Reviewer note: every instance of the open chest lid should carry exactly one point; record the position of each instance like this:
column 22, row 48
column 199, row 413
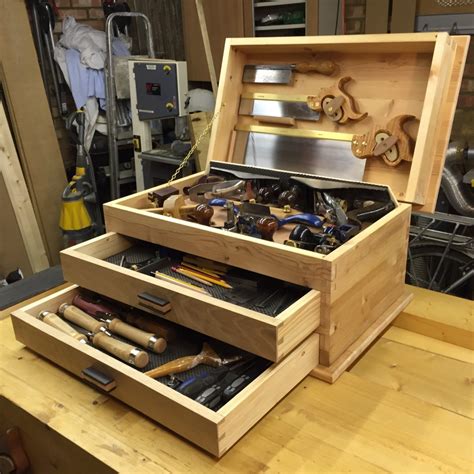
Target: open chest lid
column 402, row 88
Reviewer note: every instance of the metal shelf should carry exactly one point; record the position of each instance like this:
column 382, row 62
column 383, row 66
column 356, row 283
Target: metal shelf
column 281, row 27
column 277, row 3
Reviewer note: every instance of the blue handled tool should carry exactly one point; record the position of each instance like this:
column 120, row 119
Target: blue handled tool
column 305, row 218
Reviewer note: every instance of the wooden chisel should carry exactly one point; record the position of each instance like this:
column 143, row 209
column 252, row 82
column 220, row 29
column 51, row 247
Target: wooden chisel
column 115, row 325
column 53, row 320
column 119, row 349
column 79, row 317
column 147, row 323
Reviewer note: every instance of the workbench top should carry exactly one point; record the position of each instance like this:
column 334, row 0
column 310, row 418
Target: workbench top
column 406, row 405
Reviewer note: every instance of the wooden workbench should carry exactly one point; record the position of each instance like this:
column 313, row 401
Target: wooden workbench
column 406, row 405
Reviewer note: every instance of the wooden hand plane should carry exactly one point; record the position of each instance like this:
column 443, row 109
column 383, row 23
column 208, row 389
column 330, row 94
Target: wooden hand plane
column 391, row 142
column 336, row 103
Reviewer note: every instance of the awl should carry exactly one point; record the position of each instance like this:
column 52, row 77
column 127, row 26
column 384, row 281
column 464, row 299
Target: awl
column 283, row 73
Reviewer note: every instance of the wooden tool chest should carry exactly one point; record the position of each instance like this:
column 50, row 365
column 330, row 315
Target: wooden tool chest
column 350, row 294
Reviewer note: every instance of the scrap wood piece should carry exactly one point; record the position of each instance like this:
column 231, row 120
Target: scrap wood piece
column 18, row 193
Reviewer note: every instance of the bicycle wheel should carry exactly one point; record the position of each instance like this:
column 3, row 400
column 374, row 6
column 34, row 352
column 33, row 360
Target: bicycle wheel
column 422, row 269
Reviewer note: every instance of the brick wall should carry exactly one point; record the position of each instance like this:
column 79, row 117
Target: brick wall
column 84, row 11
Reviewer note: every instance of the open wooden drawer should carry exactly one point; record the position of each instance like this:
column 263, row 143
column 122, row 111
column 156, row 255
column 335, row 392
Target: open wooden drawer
column 269, row 337
column 215, row 431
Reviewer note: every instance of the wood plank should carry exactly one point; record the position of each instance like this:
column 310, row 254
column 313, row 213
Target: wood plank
column 32, row 124
column 439, row 316
column 224, row 20
column 418, row 373
column 10, row 168
column 403, row 16
column 207, row 45
column 429, row 344
column 48, row 450
column 12, row 251
column 336, row 369
column 312, row 17
column 421, row 167
column 445, row 123
column 376, row 16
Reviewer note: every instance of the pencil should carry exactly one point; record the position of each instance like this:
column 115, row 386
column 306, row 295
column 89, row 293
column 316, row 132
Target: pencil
column 192, row 275
column 200, row 269
column 216, row 281
column 162, row 276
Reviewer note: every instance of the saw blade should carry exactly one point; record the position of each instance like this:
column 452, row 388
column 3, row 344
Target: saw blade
column 267, row 74
column 278, row 108
column 330, row 158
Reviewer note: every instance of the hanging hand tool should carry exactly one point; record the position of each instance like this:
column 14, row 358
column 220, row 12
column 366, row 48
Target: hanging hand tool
column 283, row 73
column 123, row 351
column 55, row 321
column 207, row 356
column 391, row 142
column 336, row 103
column 236, row 189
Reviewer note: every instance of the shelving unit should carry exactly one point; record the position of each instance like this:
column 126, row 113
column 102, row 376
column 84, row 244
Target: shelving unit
column 288, row 10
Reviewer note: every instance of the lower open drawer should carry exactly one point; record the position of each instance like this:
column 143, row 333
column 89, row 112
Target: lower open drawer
column 215, row 431
column 91, row 265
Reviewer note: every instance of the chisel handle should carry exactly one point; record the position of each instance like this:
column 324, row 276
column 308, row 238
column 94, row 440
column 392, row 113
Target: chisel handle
column 142, row 338
column 322, row 66
column 79, row 317
column 55, row 321
column 122, row 350
column 94, row 309
column 149, row 324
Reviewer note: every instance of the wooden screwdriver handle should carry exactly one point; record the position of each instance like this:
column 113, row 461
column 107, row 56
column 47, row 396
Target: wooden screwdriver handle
column 322, row 66
column 175, row 366
column 122, row 350
column 140, row 337
column 79, row 317
column 149, row 324
column 55, row 321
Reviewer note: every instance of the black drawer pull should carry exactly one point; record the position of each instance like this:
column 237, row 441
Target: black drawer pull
column 99, row 379
column 155, row 303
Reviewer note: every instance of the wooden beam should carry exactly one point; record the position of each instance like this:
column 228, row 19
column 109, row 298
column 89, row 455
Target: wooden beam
column 15, row 184
column 439, row 316
column 31, row 122
column 403, row 16
column 376, row 16
column 207, row 45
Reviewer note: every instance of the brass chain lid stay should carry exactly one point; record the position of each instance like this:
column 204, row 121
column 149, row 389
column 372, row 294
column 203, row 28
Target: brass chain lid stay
column 185, row 160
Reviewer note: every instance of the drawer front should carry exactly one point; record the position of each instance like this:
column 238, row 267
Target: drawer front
column 217, row 431
column 268, row 337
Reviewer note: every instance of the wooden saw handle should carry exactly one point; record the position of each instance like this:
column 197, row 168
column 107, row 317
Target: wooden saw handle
column 322, row 66
column 145, row 339
column 122, row 350
column 79, row 317
column 53, row 320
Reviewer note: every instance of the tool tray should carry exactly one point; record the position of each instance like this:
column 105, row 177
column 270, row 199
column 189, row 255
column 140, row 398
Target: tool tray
column 214, row 431
column 95, row 265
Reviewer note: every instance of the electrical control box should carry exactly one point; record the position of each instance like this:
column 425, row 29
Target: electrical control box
column 161, row 88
